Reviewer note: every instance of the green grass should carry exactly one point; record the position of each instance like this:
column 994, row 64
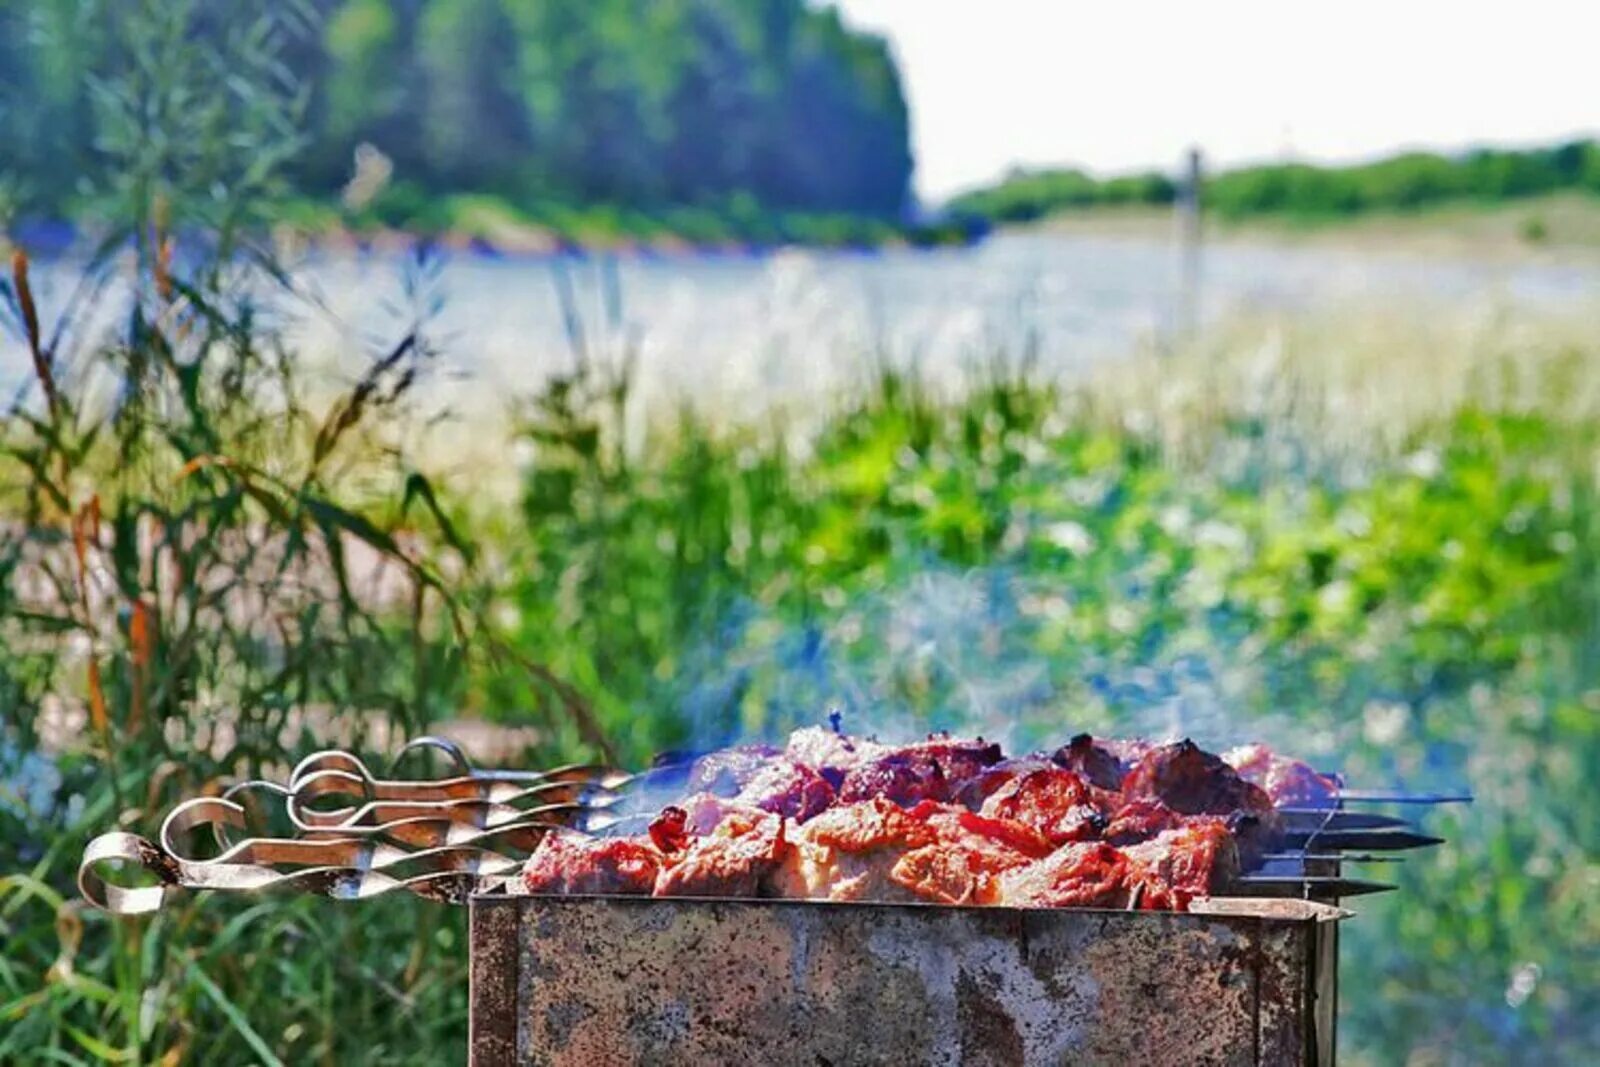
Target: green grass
column 1307, row 192
column 517, row 225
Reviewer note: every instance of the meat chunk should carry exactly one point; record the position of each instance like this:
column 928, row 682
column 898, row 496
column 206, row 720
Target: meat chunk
column 1289, row 783
column 1178, row 866
column 1140, row 820
column 1005, row 843
column 848, row 852
column 830, row 753
column 669, row 831
column 981, row 786
column 787, row 788
column 937, row 769
column 1086, row 875
column 570, row 862
column 732, row 861
column 1191, row 781
column 1053, row 801
column 946, row 875
column 1094, row 762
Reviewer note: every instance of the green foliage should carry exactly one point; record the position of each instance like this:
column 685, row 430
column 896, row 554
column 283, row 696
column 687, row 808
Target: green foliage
column 681, row 102
column 202, row 574
column 1302, row 190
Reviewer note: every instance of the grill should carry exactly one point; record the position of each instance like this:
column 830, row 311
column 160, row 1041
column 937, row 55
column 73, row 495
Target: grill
column 562, row 980
column 1244, row 977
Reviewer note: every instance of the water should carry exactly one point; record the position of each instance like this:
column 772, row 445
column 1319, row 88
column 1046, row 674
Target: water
column 736, row 330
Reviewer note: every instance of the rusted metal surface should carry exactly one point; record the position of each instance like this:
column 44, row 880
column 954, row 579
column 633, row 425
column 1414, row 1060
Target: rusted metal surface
column 644, row 981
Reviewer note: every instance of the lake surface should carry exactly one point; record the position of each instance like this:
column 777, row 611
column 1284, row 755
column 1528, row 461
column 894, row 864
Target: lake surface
column 738, row 329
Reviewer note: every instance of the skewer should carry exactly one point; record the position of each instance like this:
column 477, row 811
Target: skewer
column 1326, row 857
column 1310, row 886
column 1375, row 839
column 1334, row 819
column 1380, row 796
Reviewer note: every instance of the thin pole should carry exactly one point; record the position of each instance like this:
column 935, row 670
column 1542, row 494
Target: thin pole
column 1188, row 226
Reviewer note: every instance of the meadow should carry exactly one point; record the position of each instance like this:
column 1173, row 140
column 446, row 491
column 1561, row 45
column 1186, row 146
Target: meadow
column 1375, row 543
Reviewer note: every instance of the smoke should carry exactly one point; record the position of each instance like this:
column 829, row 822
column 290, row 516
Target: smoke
column 991, row 652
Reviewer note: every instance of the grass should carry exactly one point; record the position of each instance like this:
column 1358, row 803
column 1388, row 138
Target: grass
column 1377, row 544
column 1557, row 224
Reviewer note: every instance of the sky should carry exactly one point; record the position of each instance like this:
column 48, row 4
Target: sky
column 1120, row 86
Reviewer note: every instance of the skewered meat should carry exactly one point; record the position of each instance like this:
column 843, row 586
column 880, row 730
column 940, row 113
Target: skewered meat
column 1191, row 781
column 732, row 861
column 1182, row 865
column 830, row 753
column 1055, row 802
column 788, row 788
column 1093, row 762
column 981, row 786
column 1140, row 820
column 1095, row 824
column 569, row 862
column 1087, row 875
column 848, row 852
column 1288, row 782
column 936, row 769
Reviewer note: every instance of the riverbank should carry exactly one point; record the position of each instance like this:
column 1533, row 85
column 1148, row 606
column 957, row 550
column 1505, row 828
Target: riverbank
column 1558, row 226
column 405, row 219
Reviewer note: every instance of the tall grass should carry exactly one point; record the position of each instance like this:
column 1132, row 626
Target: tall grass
column 208, row 565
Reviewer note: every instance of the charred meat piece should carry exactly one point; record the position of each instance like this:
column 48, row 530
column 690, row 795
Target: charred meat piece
column 964, row 864
column 570, row 862
column 1140, row 820
column 830, row 753
column 1182, row 865
column 1092, row 761
column 732, row 861
column 1087, row 875
column 848, row 852
column 946, row 875
column 1288, row 782
column 936, row 769
column 787, row 788
column 1055, row 802
column 705, row 812
column 669, row 831
column 1191, row 781
column 981, row 786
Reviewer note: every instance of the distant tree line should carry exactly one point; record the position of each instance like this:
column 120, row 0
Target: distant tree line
column 771, row 104
column 1399, row 183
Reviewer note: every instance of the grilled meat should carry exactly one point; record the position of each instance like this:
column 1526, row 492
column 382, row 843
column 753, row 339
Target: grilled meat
column 1191, row 781
column 569, row 862
column 1095, row 824
column 1090, row 874
column 1093, row 762
column 732, row 861
column 1181, row 865
column 1055, row 802
column 937, row 769
column 847, row 852
column 1288, row 782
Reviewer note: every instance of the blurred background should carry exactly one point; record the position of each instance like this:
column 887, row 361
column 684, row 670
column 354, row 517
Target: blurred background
column 588, row 379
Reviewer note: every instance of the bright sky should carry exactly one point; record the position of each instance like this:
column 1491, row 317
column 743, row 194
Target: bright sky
column 1119, row 85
